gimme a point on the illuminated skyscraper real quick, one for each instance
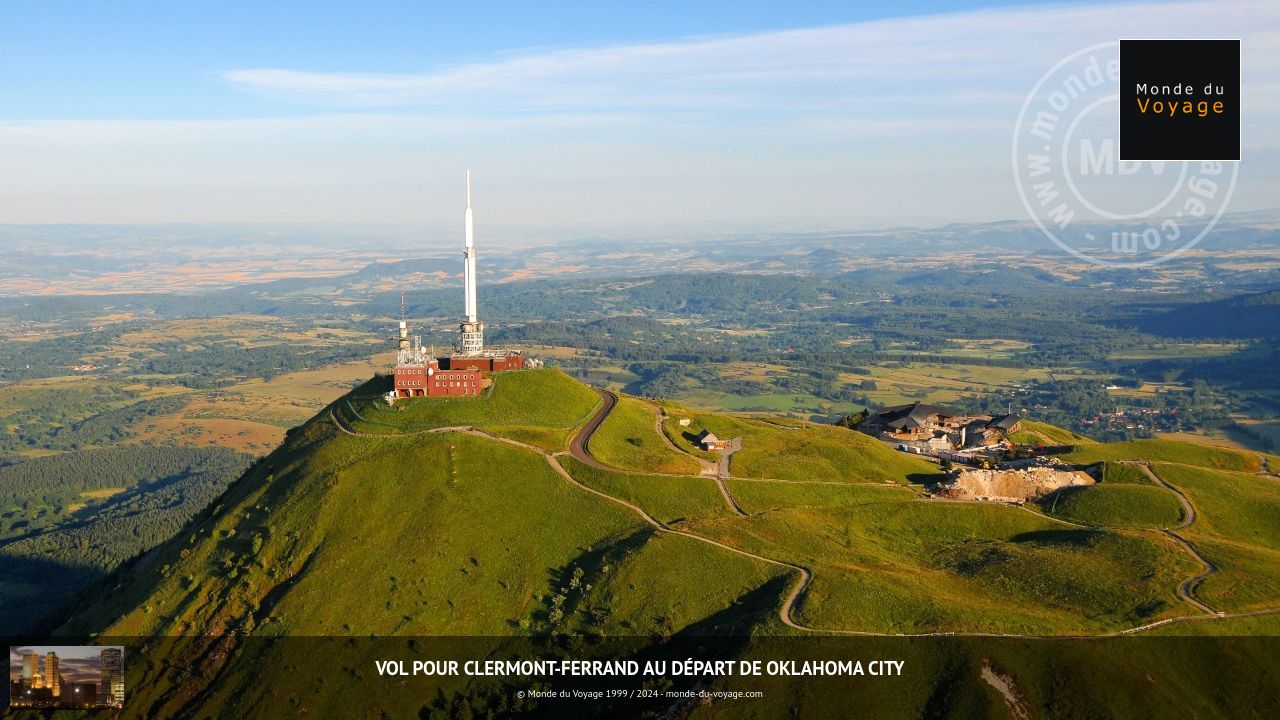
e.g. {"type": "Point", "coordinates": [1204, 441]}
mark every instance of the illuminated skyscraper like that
{"type": "Point", "coordinates": [112, 687]}
{"type": "Point", "coordinates": [52, 673]}
{"type": "Point", "coordinates": [30, 667]}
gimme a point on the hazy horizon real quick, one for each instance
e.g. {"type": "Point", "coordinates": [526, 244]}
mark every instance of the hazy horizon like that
{"type": "Point", "coordinates": [829, 121]}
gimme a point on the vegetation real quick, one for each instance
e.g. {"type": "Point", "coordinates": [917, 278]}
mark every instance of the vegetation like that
{"type": "Point", "coordinates": [1115, 505]}
{"type": "Point", "coordinates": [981, 567]}
{"type": "Point", "coordinates": [1115, 473]}
{"type": "Point", "coordinates": [802, 452]}
{"type": "Point", "coordinates": [667, 499]}
{"type": "Point", "coordinates": [628, 439]}
{"type": "Point", "coordinates": [282, 543]}
{"type": "Point", "coordinates": [541, 398]}
{"type": "Point", "coordinates": [1166, 451]}
{"type": "Point", "coordinates": [335, 535]}
{"type": "Point", "coordinates": [282, 553]}
{"type": "Point", "coordinates": [67, 520]}
{"type": "Point", "coordinates": [77, 422]}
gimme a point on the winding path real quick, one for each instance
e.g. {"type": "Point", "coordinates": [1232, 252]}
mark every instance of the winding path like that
{"type": "Point", "coordinates": [1188, 586]}
{"type": "Point", "coordinates": [579, 449]}
{"type": "Point", "coordinates": [578, 445]}
{"type": "Point", "coordinates": [705, 466]}
{"type": "Point", "coordinates": [722, 472]}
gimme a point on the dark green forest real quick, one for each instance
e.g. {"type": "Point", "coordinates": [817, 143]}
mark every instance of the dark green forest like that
{"type": "Point", "coordinates": [54, 540]}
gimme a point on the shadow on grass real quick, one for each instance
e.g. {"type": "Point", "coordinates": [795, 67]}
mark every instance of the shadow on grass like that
{"type": "Point", "coordinates": [1074, 538]}
{"type": "Point", "coordinates": [926, 478]}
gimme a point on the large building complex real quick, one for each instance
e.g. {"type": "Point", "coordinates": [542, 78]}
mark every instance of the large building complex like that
{"type": "Point", "coordinates": [419, 373]}
{"type": "Point", "coordinates": [42, 684]}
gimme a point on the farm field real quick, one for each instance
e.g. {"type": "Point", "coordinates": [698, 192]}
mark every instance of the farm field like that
{"type": "Point", "coordinates": [797, 403]}
{"type": "Point", "coordinates": [248, 436]}
{"type": "Point", "coordinates": [1176, 350]}
{"type": "Point", "coordinates": [900, 383]}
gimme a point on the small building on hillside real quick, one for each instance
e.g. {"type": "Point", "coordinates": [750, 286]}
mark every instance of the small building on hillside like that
{"type": "Point", "coordinates": [1005, 423]}
{"type": "Point", "coordinates": [916, 421]}
{"type": "Point", "coordinates": [707, 440]}
{"type": "Point", "coordinates": [938, 430]}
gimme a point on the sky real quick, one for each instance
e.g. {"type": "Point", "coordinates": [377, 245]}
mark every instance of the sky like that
{"type": "Point", "coordinates": [574, 118]}
{"type": "Point", "coordinates": [77, 663]}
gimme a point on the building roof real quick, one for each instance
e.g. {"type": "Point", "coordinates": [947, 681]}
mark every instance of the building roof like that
{"type": "Point", "coordinates": [1004, 422]}
{"type": "Point", "coordinates": [907, 417]}
{"type": "Point", "coordinates": [706, 436]}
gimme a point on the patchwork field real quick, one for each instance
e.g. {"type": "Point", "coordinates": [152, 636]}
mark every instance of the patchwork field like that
{"type": "Point", "coordinates": [244, 435]}
{"type": "Point", "coordinates": [801, 403]}
{"type": "Point", "coordinates": [899, 383]}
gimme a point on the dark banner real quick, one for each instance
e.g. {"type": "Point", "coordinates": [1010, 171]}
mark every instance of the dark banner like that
{"type": "Point", "coordinates": [838, 677]}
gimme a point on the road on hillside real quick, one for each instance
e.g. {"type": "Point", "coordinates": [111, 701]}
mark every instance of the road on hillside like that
{"type": "Point", "coordinates": [1188, 517]}
{"type": "Point", "coordinates": [731, 447]}
{"type": "Point", "coordinates": [803, 575]}
{"type": "Point", "coordinates": [582, 438]}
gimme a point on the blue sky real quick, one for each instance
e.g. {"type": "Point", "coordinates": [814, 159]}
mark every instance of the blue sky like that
{"type": "Point", "coordinates": [575, 117]}
{"type": "Point", "coordinates": [147, 60]}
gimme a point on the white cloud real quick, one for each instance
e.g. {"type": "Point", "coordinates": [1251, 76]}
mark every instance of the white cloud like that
{"type": "Point", "coordinates": [896, 119]}
{"type": "Point", "coordinates": [962, 55]}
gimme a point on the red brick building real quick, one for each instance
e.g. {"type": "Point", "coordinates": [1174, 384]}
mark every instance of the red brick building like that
{"type": "Point", "coordinates": [428, 380]}
{"type": "Point", "coordinates": [490, 361]}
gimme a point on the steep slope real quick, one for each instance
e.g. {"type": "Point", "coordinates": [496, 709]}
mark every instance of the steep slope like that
{"type": "Point", "coordinates": [463, 528]}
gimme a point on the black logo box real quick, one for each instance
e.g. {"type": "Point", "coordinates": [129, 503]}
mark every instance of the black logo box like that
{"type": "Point", "coordinates": [1205, 73]}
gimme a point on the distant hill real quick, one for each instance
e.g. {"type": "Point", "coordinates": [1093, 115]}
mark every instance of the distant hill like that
{"type": "Point", "coordinates": [1254, 315]}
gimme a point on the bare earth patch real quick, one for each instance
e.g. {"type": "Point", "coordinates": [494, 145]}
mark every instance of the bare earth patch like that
{"type": "Point", "coordinates": [1012, 486]}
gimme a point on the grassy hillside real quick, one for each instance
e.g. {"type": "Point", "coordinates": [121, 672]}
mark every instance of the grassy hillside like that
{"type": "Point", "coordinates": [544, 398]}
{"type": "Point", "coordinates": [1166, 451]}
{"type": "Point", "coordinates": [1118, 505]}
{"type": "Point", "coordinates": [886, 560]}
{"type": "Point", "coordinates": [1115, 473]}
{"type": "Point", "coordinates": [1037, 433]}
{"type": "Point", "coordinates": [803, 451]}
{"type": "Point", "coordinates": [407, 534]}
{"type": "Point", "coordinates": [668, 499]}
{"type": "Point", "coordinates": [627, 439]}
{"type": "Point", "coordinates": [341, 535]}
{"type": "Point", "coordinates": [1238, 529]}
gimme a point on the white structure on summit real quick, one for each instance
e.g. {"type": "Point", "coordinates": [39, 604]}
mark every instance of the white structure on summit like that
{"type": "Point", "coordinates": [471, 331]}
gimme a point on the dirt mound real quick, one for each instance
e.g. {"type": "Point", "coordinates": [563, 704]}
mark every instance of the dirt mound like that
{"type": "Point", "coordinates": [1012, 486]}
